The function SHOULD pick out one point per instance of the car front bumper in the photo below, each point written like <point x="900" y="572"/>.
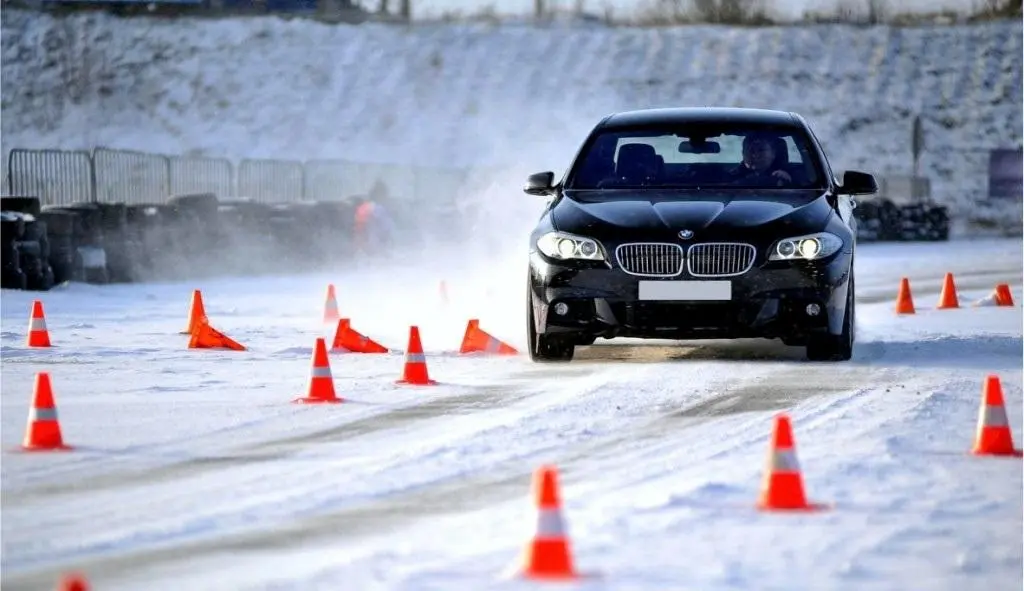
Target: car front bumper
<point x="770" y="301"/>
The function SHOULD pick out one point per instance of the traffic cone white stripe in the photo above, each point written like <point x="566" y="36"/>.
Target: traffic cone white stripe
<point x="993" y="416"/>
<point x="415" y="358"/>
<point x="785" y="461"/>
<point x="320" y="372"/>
<point x="42" y="414"/>
<point x="37" y="324"/>
<point x="550" y="524"/>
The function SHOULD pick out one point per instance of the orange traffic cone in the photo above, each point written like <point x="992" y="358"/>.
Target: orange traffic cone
<point x="478" y="341"/>
<point x="1003" y="295"/>
<point x="347" y="338"/>
<point x="948" y="297"/>
<point x="1000" y="296"/>
<point x="73" y="582"/>
<point x="548" y="555"/>
<point x="321" y="382"/>
<point x="904" y="299"/>
<point x="207" y="337"/>
<point x="415" y="371"/>
<point x="993" y="437"/>
<point x="783" y="486"/>
<point x="196" y="312"/>
<point x="38" y="336"/>
<point x="43" y="431"/>
<point x="331" y="305"/>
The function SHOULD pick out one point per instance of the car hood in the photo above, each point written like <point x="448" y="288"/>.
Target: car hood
<point x="708" y="215"/>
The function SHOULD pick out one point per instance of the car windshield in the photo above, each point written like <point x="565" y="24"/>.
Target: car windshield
<point x="698" y="156"/>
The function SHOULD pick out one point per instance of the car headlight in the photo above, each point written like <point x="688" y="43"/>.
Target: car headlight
<point x="562" y="246"/>
<point x="806" y="248"/>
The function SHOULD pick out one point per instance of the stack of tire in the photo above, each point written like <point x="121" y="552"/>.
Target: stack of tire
<point x="191" y="222"/>
<point x="151" y="238"/>
<point x="26" y="247"/>
<point x="881" y="220"/>
<point x="245" y="242"/>
<point x="260" y="238"/>
<point x="95" y="242"/>
<point x="190" y="236"/>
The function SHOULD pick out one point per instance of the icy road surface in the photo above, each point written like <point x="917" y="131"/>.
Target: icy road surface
<point x="193" y="470"/>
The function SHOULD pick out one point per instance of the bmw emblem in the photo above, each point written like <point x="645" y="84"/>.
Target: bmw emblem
<point x="686" y="234"/>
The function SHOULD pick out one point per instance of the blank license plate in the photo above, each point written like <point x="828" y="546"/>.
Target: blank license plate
<point x="687" y="291"/>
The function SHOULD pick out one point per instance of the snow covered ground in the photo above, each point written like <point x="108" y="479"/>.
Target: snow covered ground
<point x="194" y="471"/>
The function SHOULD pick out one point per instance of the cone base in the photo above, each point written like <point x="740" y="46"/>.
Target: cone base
<point x="550" y="576"/>
<point x="42" y="448"/>
<point x="343" y="350"/>
<point x="308" y="400"/>
<point x="417" y="383"/>
<point x="1013" y="453"/>
<point x="808" y="508"/>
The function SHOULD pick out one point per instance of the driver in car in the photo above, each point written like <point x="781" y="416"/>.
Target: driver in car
<point x="760" y="162"/>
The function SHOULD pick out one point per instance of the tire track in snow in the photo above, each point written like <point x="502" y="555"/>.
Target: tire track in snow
<point x="768" y="384"/>
<point x="360" y="521"/>
<point x="115" y="514"/>
<point x="481" y="398"/>
<point x="437" y="448"/>
<point x="786" y="388"/>
<point x="505" y="480"/>
<point x="532" y="430"/>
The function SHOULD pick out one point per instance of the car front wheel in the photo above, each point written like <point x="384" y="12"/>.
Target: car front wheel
<point x="545" y="347"/>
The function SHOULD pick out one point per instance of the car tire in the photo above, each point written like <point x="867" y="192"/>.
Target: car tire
<point x="545" y="348"/>
<point x="829" y="347"/>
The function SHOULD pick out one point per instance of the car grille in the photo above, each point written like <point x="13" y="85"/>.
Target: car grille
<point x="650" y="259"/>
<point x="720" y="259"/>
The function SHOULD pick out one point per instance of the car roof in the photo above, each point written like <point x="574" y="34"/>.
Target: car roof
<point x="678" y="115"/>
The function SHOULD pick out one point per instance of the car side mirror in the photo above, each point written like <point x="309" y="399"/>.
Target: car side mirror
<point x="540" y="184"/>
<point x="858" y="183"/>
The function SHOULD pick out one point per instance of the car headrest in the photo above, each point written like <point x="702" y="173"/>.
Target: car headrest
<point x="781" y="151"/>
<point x="636" y="157"/>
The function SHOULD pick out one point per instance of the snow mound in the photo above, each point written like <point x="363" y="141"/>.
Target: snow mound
<point x="500" y="95"/>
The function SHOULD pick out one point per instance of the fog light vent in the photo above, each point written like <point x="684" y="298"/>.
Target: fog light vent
<point x="561" y="308"/>
<point x="813" y="309"/>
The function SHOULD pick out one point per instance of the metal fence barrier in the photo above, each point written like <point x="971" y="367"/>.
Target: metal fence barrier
<point x="123" y="176"/>
<point x="201" y="175"/>
<point x="268" y="181"/>
<point x="324" y="180"/>
<point x="57" y="177"/>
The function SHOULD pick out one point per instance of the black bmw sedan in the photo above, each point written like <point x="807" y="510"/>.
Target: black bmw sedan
<point x="703" y="223"/>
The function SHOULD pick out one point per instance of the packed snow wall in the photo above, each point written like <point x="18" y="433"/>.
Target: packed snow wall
<point x="501" y="96"/>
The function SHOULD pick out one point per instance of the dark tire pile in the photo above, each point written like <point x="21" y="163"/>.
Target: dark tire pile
<point x="880" y="220"/>
<point x="189" y="236"/>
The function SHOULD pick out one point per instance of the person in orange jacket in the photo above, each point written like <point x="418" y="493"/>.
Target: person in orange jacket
<point x="374" y="227"/>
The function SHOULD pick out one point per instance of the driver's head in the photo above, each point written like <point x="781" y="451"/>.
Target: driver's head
<point x="758" y="152"/>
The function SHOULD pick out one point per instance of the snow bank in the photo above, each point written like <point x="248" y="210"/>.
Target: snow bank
<point x="514" y="96"/>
